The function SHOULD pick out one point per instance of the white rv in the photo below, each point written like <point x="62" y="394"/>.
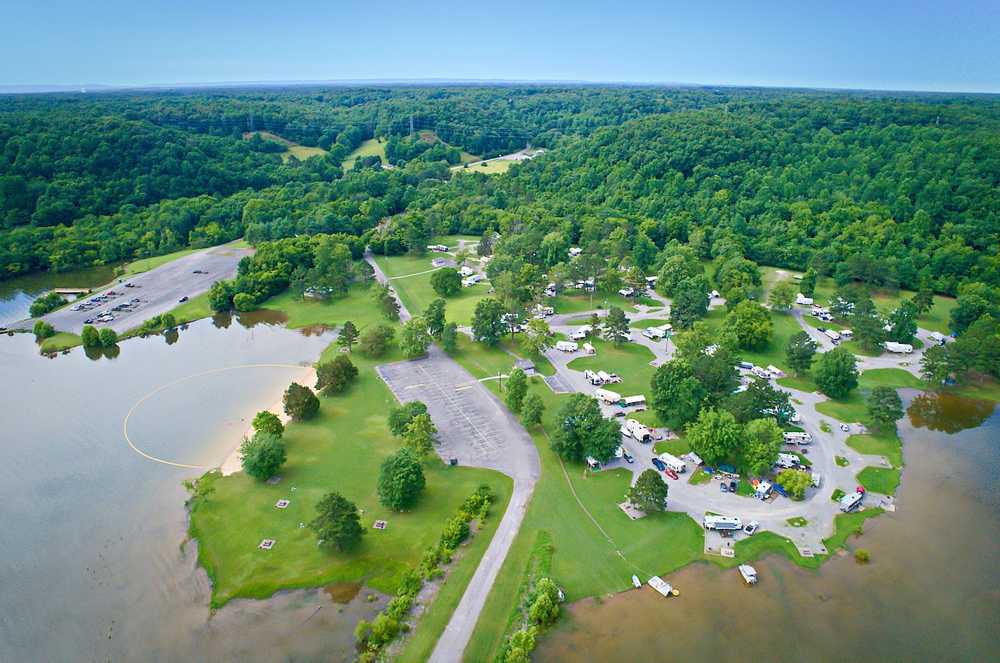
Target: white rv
<point x="638" y="402"/>
<point x="900" y="348"/>
<point x="798" y="438"/>
<point x="654" y="333"/>
<point x="832" y="335"/>
<point x="775" y="371"/>
<point x="787" y="461"/>
<point x="673" y="462"/>
<point x="593" y="378"/>
<point x="567" y="346"/>
<point x="729" y="523"/>
<point x="580" y="333"/>
<point x="802" y="300"/>
<point x="850" y="501"/>
<point x="634" y="429"/>
<point x="607" y="396"/>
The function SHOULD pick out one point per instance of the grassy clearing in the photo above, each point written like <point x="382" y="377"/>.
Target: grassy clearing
<point x="485" y="167"/>
<point x="356" y="307"/>
<point x="896" y="378"/>
<point x="846" y="524"/>
<point x="886" y="300"/>
<point x="699" y="477"/>
<point x="879" y="479"/>
<point x="678" y="447"/>
<point x="369" y="148"/>
<point x="879" y="444"/>
<point x="340" y="450"/>
<point x="292" y="149"/>
<point x="483" y="361"/>
<point x="649" y="322"/>
<point x="417" y="293"/>
<point x="146" y="264"/>
<point x="581" y="303"/>
<point x="849" y="410"/>
<point x="629" y="360"/>
<point x="59" y="342"/>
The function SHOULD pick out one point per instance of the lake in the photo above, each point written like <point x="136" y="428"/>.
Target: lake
<point x="17" y="294"/>
<point x="931" y="591"/>
<point x="95" y="565"/>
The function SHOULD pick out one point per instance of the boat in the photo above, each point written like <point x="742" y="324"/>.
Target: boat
<point x="636" y="582"/>
<point x="663" y="587"/>
<point x="749" y="574"/>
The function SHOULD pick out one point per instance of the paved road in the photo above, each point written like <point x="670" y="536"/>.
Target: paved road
<point x="159" y="290"/>
<point x="474" y="427"/>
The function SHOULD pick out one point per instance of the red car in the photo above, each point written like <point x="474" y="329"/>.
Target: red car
<point x="860" y="489"/>
<point x="670" y="473"/>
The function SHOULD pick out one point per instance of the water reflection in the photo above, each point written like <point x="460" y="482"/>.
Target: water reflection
<point x="95" y="354"/>
<point x="948" y="413"/>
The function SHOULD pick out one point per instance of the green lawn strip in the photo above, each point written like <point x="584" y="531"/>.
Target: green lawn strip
<point x="881" y="443"/>
<point x="432" y="622"/>
<point x="486" y="167"/>
<point x="699" y="476"/>
<point x="356" y="307"/>
<point x="855" y="348"/>
<point x="879" y="479"/>
<point x="797" y="521"/>
<point x="846" y="524"/>
<point x="146" y="264"/>
<point x="896" y="378"/>
<point x="849" y="410"/>
<point x="629" y="360"/>
<point x="678" y="447"/>
<point x="580" y="303"/>
<point x="60" y="341"/>
<point x="802" y="383"/>
<point x="648" y="322"/>
<point x="341" y="450"/>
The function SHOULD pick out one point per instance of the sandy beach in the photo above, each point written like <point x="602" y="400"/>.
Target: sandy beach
<point x="233" y="462"/>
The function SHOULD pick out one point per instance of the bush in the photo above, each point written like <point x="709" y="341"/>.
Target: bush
<point x="43" y="330"/>
<point x="268" y="422"/>
<point x="383" y="630"/>
<point x="456" y="531"/>
<point x="838" y="494"/>
<point x="244" y="302"/>
<point x="795" y="483"/>
<point x="400" y="417"/>
<point x="46" y="303"/>
<point x="862" y="556"/>
<point x="401" y="480"/>
<point x="447" y="282"/>
<point x="333" y="377"/>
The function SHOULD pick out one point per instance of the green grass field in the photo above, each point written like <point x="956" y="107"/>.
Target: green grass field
<point x="879" y="479"/>
<point x="340" y="450"/>
<point x="356" y="307"/>
<point x="886" y="300"/>
<point x="60" y="341"/>
<point x="146" y="264"/>
<point x="417" y="293"/>
<point x="649" y="322"/>
<point x="580" y="303"/>
<point x="629" y="360"/>
<point x="369" y="148"/>
<point x="292" y="149"/>
<point x="486" y="167"/>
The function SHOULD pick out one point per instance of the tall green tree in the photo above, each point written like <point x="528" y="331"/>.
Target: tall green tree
<point x="884" y="407"/>
<point x="677" y="394"/>
<point x="715" y="436"/>
<point x="763" y="440"/>
<point x="782" y="296"/>
<point x="532" y="410"/>
<point x="616" y="326"/>
<point x="516" y="389"/>
<point x="262" y="455"/>
<point x="446" y="282"/>
<point x="414" y="339"/>
<point x="836" y="373"/>
<point x="799" y="352"/>
<point x="300" y="402"/>
<point x="582" y="431"/>
<point x="690" y="301"/>
<point x="449" y="338"/>
<point x="400" y="417"/>
<point x="751" y="324"/>
<point x="401" y="480"/>
<point x="649" y="492"/>
<point x="434" y="316"/>
<point x="337" y="523"/>
<point x="487" y="322"/>
<point x="347" y="336"/>
<point x="807" y="286"/>
<point x="419" y="435"/>
<point x="334" y="376"/>
<point x="268" y="422"/>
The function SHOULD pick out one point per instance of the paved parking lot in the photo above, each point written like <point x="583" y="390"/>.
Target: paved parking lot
<point x="158" y="291"/>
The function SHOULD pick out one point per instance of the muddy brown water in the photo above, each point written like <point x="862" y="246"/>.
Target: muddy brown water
<point x="17" y="294"/>
<point x="92" y="561"/>
<point x="931" y="591"/>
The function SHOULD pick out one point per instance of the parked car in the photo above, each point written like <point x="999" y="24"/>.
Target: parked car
<point x="732" y="486"/>
<point x="860" y="489"/>
<point x="723" y="487"/>
<point x="183" y="299"/>
<point x="88" y="321"/>
<point x="751" y="527"/>
<point x="659" y="465"/>
<point x="628" y="457"/>
<point x="845" y="428"/>
<point x="670" y="473"/>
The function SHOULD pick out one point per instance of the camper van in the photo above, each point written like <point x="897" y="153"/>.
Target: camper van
<point x="634" y="429"/>
<point x="567" y="346"/>
<point x="607" y="396"/>
<point x="900" y="348"/>
<point x="593" y="378"/>
<point x="798" y="438"/>
<point x="851" y="501"/>
<point x="775" y="372"/>
<point x="727" y="523"/>
<point x="471" y="280"/>
<point x="638" y="402"/>
<point x="580" y="334"/>
<point x="937" y="337"/>
<point x="654" y="333"/>
<point x="802" y="300"/>
<point x="673" y="462"/>
<point x="609" y="378"/>
<point x="787" y="461"/>
<point x="832" y="335"/>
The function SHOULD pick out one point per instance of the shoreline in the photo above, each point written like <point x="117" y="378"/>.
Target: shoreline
<point x="233" y="460"/>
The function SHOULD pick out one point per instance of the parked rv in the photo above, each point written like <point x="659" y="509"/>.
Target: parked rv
<point x="851" y="501"/>
<point x="723" y="523"/>
<point x="567" y="346"/>
<point x="899" y="348"/>
<point x="636" y="430"/>
<point x="607" y="396"/>
<point x="673" y="462"/>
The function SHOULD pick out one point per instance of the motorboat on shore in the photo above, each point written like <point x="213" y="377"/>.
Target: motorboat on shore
<point x="749" y="574"/>
<point x="662" y="586"/>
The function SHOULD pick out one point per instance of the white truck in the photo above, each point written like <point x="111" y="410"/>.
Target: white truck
<point x="607" y="396"/>
<point x="567" y="346"/>
<point x="673" y="462"/>
<point x="634" y="429"/>
<point x="899" y="348"/>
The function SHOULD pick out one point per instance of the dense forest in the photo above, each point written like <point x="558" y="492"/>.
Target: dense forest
<point x="890" y="190"/>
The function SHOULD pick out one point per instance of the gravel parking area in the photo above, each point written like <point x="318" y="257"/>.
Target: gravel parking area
<point x="152" y="293"/>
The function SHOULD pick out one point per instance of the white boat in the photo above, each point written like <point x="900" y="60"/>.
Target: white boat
<point x="663" y="587"/>
<point x="636" y="582"/>
<point x="749" y="574"/>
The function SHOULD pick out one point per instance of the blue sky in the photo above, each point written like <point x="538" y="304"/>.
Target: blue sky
<point x="941" y="45"/>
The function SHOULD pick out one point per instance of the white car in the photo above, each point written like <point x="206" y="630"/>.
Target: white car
<point x="751" y="527"/>
<point x="845" y="428"/>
